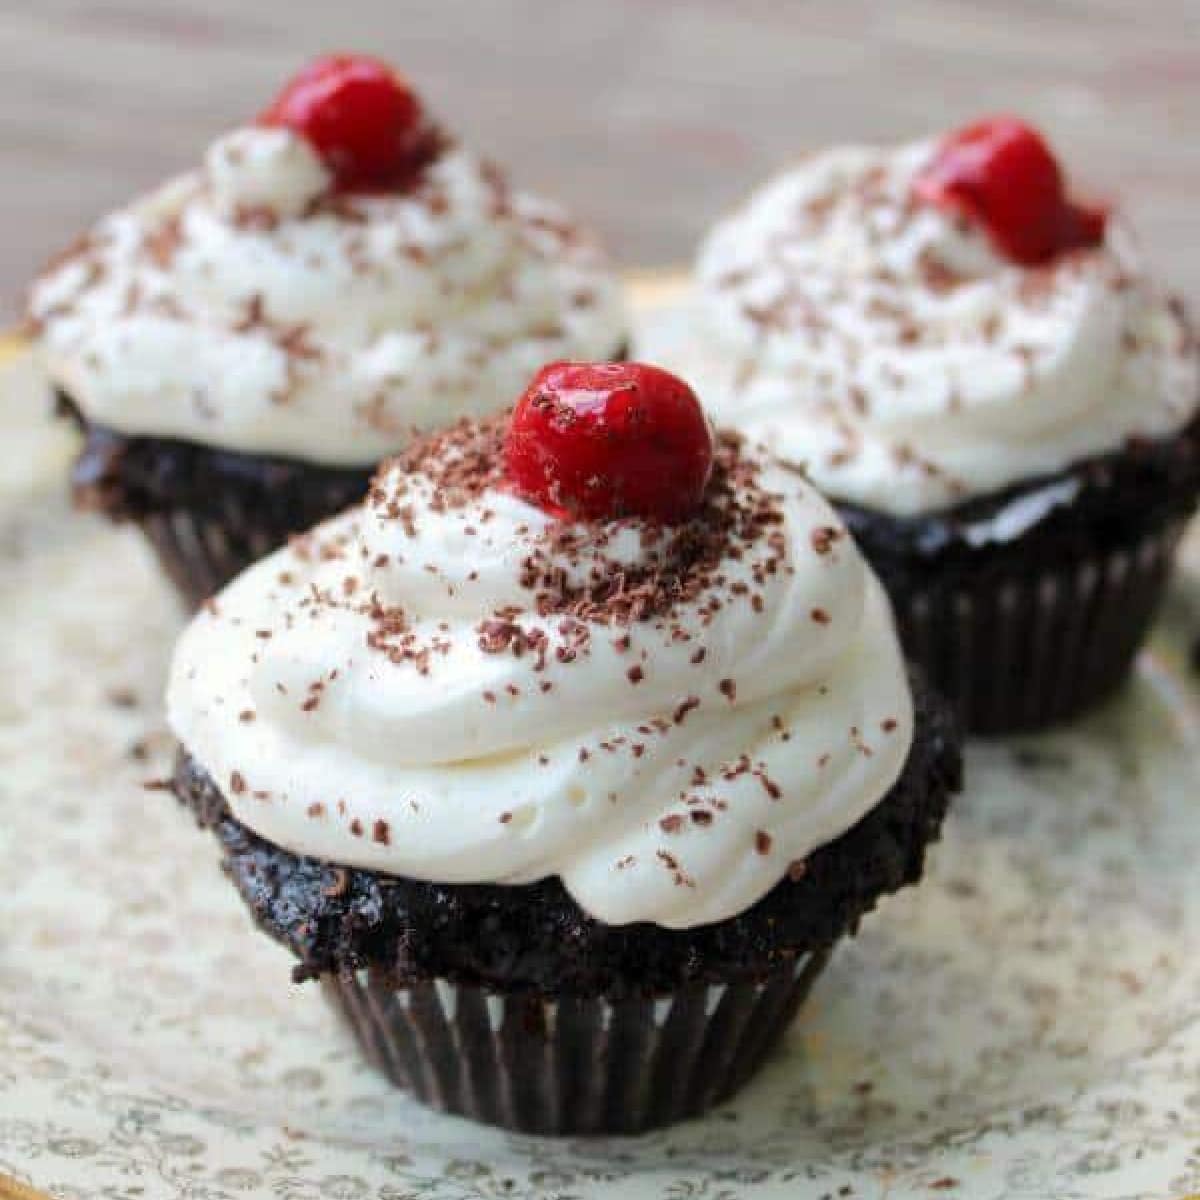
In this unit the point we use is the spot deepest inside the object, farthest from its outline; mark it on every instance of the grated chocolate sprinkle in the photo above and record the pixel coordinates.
(576, 582)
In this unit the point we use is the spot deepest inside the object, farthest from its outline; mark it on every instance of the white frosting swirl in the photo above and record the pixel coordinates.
(266, 171)
(887, 347)
(358, 699)
(245, 307)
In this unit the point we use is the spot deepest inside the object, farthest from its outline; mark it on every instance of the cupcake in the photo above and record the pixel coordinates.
(565, 759)
(981, 374)
(243, 346)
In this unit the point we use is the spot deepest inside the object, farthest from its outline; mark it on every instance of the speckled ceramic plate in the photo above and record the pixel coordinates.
(1024, 1024)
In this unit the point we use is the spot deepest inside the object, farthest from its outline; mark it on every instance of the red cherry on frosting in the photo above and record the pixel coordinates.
(360, 116)
(1001, 173)
(607, 440)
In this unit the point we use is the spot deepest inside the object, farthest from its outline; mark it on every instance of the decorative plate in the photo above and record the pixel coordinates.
(1024, 1024)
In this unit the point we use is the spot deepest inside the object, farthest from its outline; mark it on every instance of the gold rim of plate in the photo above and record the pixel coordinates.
(10, 1189)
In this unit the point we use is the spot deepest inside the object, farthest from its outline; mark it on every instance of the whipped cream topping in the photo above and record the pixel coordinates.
(268, 172)
(884, 345)
(448, 684)
(247, 306)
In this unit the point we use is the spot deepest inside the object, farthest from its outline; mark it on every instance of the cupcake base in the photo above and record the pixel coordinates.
(1027, 608)
(511, 1005)
(571, 1065)
(1024, 650)
(207, 513)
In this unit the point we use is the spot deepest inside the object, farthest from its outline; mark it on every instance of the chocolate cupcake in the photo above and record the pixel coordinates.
(244, 345)
(565, 760)
(979, 372)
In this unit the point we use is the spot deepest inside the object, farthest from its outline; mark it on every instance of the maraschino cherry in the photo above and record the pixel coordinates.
(360, 116)
(1001, 173)
(600, 441)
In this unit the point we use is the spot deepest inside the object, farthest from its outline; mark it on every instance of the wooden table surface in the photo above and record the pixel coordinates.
(648, 116)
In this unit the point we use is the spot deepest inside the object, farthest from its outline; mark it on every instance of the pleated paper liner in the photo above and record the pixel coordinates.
(1026, 649)
(572, 1065)
(230, 511)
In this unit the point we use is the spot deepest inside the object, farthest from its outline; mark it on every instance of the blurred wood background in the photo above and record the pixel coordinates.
(647, 116)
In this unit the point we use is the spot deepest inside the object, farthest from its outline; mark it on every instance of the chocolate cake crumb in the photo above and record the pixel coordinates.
(339, 885)
(762, 841)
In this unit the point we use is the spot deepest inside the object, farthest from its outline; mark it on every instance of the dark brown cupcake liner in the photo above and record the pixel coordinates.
(1016, 650)
(208, 513)
(200, 554)
(571, 1065)
(243, 518)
